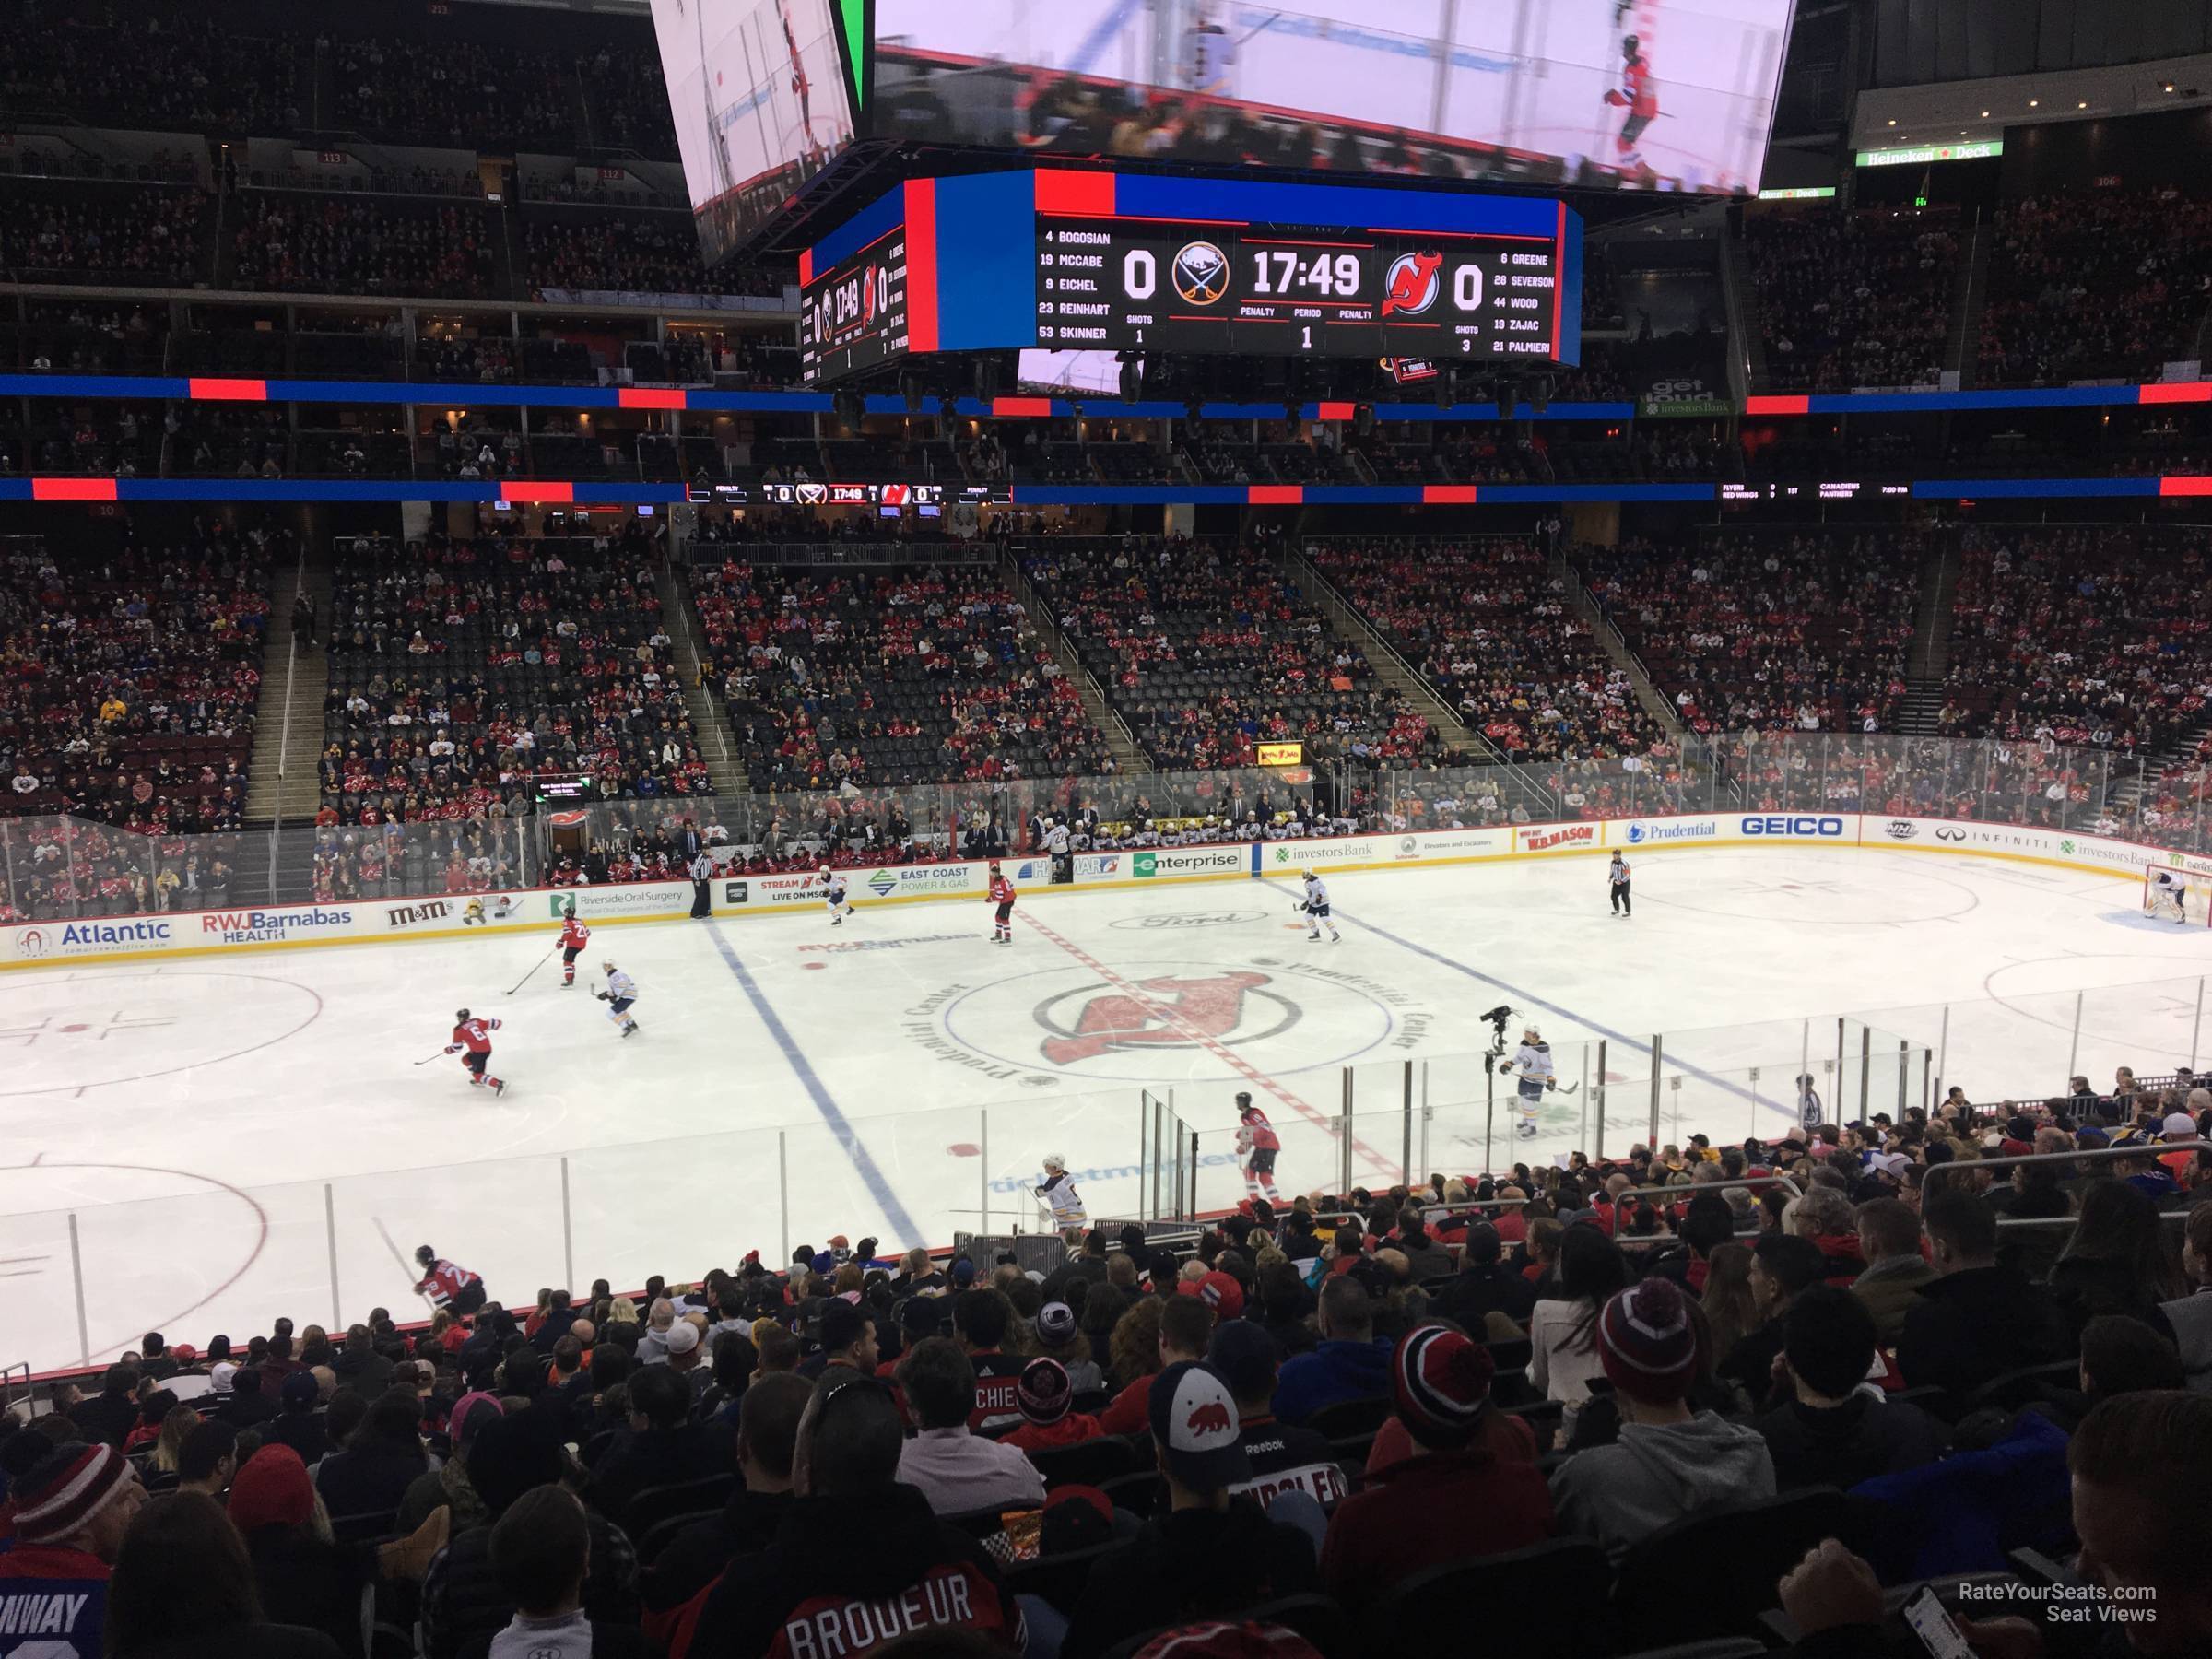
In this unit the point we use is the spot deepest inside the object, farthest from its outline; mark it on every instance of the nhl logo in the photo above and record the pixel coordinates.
(1201, 273)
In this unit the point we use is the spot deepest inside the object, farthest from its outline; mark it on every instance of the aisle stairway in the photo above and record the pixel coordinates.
(1930, 662)
(1127, 756)
(281, 784)
(1391, 669)
(724, 771)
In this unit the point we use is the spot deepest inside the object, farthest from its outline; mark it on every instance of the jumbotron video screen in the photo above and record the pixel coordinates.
(1640, 93)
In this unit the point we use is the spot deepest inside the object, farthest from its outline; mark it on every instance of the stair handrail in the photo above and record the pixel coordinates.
(1026, 591)
(679, 591)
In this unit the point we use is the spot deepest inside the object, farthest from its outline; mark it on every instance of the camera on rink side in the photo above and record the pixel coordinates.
(1498, 1016)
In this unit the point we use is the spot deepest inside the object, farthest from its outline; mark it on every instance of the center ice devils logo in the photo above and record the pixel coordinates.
(1410, 286)
(1168, 1011)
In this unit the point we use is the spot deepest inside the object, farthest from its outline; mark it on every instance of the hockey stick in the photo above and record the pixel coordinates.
(535, 967)
(427, 1058)
(398, 1260)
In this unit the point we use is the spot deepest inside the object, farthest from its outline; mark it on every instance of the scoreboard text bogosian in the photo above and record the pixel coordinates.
(1114, 262)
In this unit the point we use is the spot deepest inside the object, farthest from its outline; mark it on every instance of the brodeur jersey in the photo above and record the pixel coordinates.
(1002, 890)
(574, 935)
(445, 1281)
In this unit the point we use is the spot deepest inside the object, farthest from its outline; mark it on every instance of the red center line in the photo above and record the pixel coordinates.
(1220, 1051)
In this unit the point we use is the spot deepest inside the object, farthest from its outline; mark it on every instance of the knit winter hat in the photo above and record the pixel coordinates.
(1055, 1323)
(272, 1490)
(1044, 1392)
(1440, 1381)
(465, 1424)
(1646, 1342)
(65, 1488)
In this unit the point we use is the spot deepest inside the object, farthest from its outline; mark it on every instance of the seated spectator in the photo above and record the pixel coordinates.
(1210, 1555)
(2115, 1262)
(110, 1415)
(1280, 1457)
(1668, 1463)
(1784, 1267)
(1183, 1325)
(768, 1427)
(71, 1510)
(1350, 1363)
(981, 1319)
(448, 1486)
(541, 1548)
(956, 1470)
(1889, 1238)
(1485, 1284)
(207, 1459)
(812, 1587)
(298, 1423)
(662, 1446)
(1047, 1421)
(1562, 1331)
(182, 1586)
(2141, 1465)
(380, 1461)
(2191, 1315)
(1824, 1215)
(1060, 1336)
(1397, 1525)
(1837, 1430)
(1976, 1320)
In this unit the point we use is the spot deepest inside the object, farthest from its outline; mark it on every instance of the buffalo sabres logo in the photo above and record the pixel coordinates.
(1168, 1011)
(1409, 287)
(1201, 273)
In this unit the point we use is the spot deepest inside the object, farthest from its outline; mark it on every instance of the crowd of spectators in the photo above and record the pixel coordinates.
(1854, 299)
(1489, 627)
(141, 237)
(1600, 1371)
(651, 254)
(1209, 649)
(2104, 284)
(2091, 636)
(887, 677)
(455, 93)
(463, 672)
(1804, 631)
(353, 246)
(108, 65)
(128, 678)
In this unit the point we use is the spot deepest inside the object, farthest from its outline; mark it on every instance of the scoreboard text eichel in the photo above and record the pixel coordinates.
(1281, 290)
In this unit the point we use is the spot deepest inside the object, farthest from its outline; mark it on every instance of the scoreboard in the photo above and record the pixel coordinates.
(1293, 290)
(1098, 260)
(854, 316)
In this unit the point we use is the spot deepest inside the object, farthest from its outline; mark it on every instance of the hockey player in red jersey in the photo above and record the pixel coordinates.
(448, 1286)
(472, 1042)
(1002, 895)
(1639, 94)
(1258, 1142)
(574, 935)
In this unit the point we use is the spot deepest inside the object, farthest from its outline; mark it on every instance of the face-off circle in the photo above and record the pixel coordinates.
(93, 1029)
(1151, 1021)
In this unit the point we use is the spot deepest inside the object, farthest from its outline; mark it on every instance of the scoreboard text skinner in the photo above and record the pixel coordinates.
(1126, 284)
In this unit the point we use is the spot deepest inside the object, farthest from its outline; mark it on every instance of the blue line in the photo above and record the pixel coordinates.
(878, 1188)
(1551, 1008)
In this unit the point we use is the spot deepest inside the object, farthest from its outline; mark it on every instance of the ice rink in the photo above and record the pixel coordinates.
(208, 1143)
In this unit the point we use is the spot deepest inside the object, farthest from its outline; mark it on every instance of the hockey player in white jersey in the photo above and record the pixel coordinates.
(2170, 896)
(1059, 1196)
(833, 895)
(620, 994)
(1315, 907)
(1531, 1066)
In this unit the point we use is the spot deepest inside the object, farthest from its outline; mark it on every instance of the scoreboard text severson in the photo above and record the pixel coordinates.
(1132, 261)
(1293, 290)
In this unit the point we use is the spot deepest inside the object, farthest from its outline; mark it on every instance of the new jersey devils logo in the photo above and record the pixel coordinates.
(1410, 285)
(1168, 1011)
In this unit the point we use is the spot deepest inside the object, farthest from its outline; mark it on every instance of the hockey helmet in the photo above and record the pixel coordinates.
(461, 1017)
(995, 863)
(1053, 1160)
(1309, 876)
(825, 869)
(608, 965)
(1629, 45)
(425, 1254)
(1244, 1100)
(1529, 1030)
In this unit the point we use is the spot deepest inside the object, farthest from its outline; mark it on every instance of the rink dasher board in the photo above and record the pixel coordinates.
(293, 927)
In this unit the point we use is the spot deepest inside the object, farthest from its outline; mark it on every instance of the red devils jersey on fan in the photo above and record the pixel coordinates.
(1639, 88)
(997, 1391)
(446, 1281)
(573, 933)
(476, 1035)
(1002, 890)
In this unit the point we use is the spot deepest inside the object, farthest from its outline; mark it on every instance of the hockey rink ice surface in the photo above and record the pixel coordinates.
(232, 1135)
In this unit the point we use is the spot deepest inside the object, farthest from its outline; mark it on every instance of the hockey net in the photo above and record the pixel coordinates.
(2196, 894)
